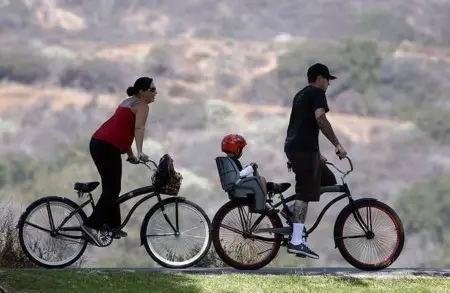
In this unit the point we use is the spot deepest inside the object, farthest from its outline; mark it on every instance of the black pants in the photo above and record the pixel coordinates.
(107, 159)
(310, 174)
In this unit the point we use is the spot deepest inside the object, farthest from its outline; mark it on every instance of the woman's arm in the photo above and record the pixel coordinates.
(139, 129)
(130, 152)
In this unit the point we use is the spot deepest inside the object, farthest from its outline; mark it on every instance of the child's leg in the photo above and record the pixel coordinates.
(264, 184)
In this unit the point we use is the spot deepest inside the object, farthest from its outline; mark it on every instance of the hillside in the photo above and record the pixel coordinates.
(220, 68)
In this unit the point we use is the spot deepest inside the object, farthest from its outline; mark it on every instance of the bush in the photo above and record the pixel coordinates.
(96, 75)
(211, 260)
(355, 61)
(424, 207)
(387, 26)
(21, 66)
(11, 254)
(16, 169)
(436, 123)
(165, 115)
(220, 113)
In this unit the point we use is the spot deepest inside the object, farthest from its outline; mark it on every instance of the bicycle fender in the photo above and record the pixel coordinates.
(33, 204)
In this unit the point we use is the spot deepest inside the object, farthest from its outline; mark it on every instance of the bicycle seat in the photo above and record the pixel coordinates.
(86, 186)
(278, 187)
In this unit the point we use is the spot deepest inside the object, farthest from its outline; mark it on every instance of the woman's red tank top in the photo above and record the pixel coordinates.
(118, 130)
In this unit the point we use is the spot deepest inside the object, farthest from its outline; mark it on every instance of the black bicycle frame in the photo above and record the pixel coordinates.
(324, 189)
(150, 190)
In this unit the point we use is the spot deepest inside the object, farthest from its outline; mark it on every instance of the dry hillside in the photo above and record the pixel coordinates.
(222, 67)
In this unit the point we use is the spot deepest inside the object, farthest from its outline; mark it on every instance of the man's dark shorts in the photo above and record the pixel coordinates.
(310, 173)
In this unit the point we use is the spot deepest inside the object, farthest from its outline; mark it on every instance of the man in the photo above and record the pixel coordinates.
(308, 115)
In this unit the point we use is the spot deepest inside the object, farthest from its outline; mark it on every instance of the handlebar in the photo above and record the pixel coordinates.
(144, 163)
(344, 173)
(339, 170)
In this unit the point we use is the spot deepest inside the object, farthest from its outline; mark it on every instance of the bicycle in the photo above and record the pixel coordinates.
(257, 203)
(75, 212)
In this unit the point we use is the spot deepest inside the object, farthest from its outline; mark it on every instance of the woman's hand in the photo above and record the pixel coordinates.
(143, 157)
(132, 159)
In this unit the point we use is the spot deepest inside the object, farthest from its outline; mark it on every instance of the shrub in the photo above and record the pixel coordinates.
(11, 254)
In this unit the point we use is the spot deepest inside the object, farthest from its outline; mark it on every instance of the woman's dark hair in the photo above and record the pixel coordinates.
(142, 83)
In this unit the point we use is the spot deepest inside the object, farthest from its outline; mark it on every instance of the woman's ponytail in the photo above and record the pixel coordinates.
(131, 91)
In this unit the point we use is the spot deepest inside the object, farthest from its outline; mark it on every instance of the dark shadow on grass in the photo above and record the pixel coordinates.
(353, 281)
(91, 280)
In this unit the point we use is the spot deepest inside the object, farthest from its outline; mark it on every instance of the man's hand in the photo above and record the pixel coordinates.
(340, 151)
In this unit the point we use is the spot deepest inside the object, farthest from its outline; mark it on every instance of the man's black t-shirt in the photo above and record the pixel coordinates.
(303, 131)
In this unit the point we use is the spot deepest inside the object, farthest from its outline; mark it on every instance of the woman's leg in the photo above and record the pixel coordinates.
(108, 161)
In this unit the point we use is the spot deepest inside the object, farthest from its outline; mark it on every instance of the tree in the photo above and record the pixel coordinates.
(424, 208)
(361, 62)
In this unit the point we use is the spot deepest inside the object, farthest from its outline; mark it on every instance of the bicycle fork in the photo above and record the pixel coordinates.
(176, 230)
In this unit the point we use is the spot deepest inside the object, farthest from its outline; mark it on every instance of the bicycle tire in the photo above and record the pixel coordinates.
(217, 220)
(346, 212)
(29, 210)
(164, 262)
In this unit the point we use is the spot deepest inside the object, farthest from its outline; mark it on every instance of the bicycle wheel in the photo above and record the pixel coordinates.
(181, 220)
(245, 250)
(375, 251)
(52, 211)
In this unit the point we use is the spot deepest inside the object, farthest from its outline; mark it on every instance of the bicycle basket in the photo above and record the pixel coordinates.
(166, 180)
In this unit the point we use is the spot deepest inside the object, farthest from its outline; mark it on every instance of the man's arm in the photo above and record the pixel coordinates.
(325, 126)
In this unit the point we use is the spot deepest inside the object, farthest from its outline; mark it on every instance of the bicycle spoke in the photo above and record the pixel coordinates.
(232, 229)
(256, 223)
(190, 229)
(195, 236)
(157, 235)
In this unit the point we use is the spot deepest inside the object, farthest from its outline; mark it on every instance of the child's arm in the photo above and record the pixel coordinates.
(247, 171)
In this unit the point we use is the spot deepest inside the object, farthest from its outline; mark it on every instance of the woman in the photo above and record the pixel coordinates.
(107, 144)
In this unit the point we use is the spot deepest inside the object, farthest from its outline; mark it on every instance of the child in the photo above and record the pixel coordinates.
(233, 145)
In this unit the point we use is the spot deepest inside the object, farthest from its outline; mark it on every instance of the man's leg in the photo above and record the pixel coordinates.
(306, 167)
(299, 218)
(327, 177)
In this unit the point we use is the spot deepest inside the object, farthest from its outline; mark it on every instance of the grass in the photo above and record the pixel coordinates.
(72, 280)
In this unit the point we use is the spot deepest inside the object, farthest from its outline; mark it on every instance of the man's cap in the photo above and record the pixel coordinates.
(319, 69)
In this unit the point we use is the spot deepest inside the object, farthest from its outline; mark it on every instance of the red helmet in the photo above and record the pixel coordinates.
(231, 143)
